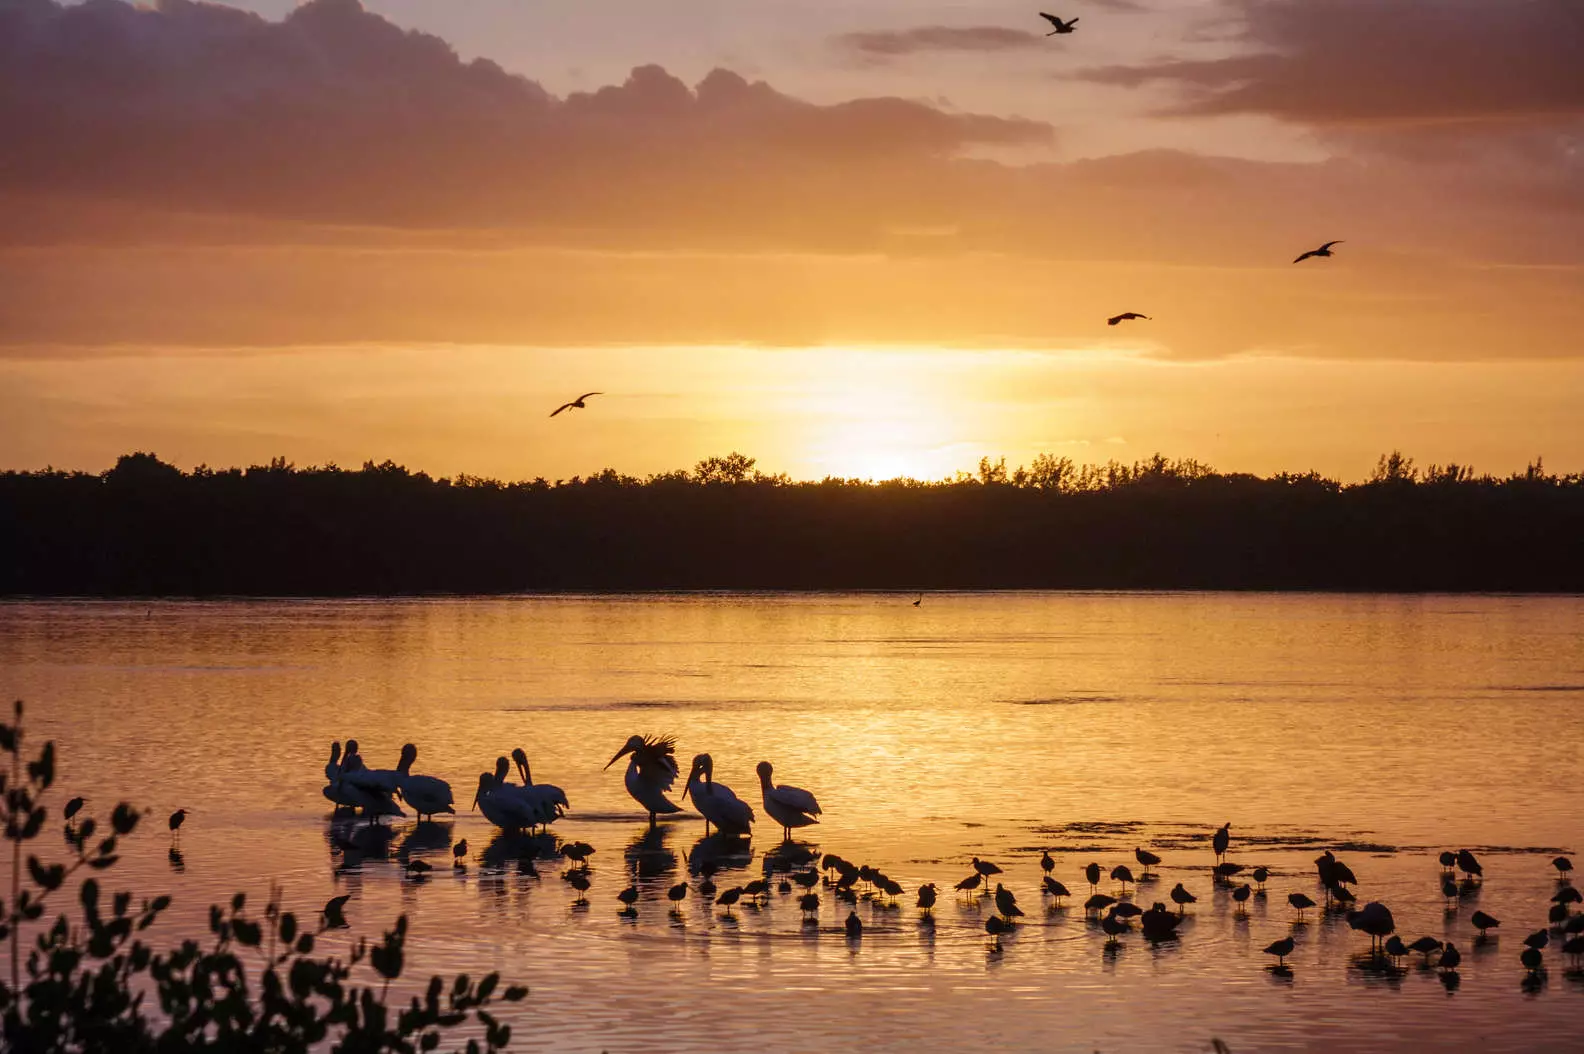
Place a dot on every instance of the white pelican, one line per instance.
(788, 806)
(345, 792)
(550, 800)
(716, 802)
(500, 806)
(382, 781)
(650, 772)
(333, 768)
(426, 794)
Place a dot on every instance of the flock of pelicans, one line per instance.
(652, 771)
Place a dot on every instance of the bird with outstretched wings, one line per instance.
(1324, 250)
(1061, 27)
(1126, 316)
(575, 404)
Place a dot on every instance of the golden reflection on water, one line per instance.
(988, 724)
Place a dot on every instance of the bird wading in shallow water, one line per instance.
(716, 802)
(787, 805)
(651, 770)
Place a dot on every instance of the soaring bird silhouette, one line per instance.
(787, 805)
(1324, 250)
(1126, 316)
(1061, 27)
(651, 771)
(575, 404)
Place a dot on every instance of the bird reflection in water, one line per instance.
(178, 863)
(509, 849)
(647, 855)
(427, 837)
(725, 852)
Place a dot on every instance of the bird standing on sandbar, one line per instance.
(787, 805)
(575, 404)
(651, 771)
(1324, 250)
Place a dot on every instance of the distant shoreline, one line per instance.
(146, 529)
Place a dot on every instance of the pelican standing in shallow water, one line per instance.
(788, 806)
(716, 802)
(547, 798)
(426, 794)
(651, 771)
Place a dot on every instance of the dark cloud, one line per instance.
(1386, 62)
(889, 43)
(334, 114)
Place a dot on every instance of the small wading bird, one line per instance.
(1006, 903)
(1324, 250)
(926, 897)
(675, 894)
(1374, 919)
(1561, 863)
(1182, 898)
(985, 868)
(716, 802)
(575, 404)
(1301, 902)
(651, 771)
(1221, 840)
(1281, 949)
(177, 818)
(854, 925)
(1047, 865)
(1056, 889)
(1483, 922)
(787, 805)
(1061, 27)
(1126, 316)
(1147, 858)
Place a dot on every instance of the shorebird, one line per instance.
(1281, 949)
(1182, 898)
(1468, 864)
(575, 404)
(787, 805)
(1123, 874)
(579, 881)
(1260, 875)
(1448, 860)
(971, 883)
(1324, 250)
(1450, 957)
(1395, 948)
(810, 903)
(1483, 922)
(1061, 27)
(1449, 890)
(1158, 923)
(1424, 946)
(1147, 858)
(1098, 902)
(1092, 873)
(1113, 927)
(651, 771)
(1048, 865)
(459, 854)
(1301, 902)
(926, 897)
(1126, 316)
(984, 867)
(1374, 919)
(1006, 903)
(1532, 961)
(716, 802)
(177, 818)
(728, 897)
(1241, 894)
(1221, 840)
(675, 894)
(1055, 888)
(854, 925)
(1561, 863)
(628, 897)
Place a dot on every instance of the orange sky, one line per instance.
(860, 239)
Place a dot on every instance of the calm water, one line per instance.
(987, 724)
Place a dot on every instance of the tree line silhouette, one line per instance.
(145, 527)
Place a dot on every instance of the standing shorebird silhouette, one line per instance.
(177, 818)
(575, 404)
(1061, 27)
(1324, 250)
(787, 805)
(651, 771)
(1221, 840)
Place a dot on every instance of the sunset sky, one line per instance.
(864, 238)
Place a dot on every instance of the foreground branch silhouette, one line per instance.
(146, 528)
(95, 985)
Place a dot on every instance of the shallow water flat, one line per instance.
(996, 725)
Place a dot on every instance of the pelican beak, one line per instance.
(474, 806)
(687, 788)
(619, 754)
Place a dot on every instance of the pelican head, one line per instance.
(764, 770)
(351, 747)
(520, 756)
(409, 754)
(633, 743)
(335, 752)
(502, 766)
(486, 784)
(703, 765)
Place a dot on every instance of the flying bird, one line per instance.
(577, 404)
(1126, 316)
(1061, 27)
(1324, 250)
